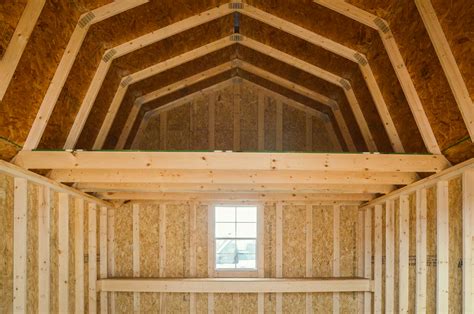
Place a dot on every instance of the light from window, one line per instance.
(236, 237)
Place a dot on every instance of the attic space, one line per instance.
(243, 156)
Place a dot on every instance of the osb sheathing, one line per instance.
(123, 254)
(150, 245)
(270, 124)
(348, 254)
(200, 123)
(10, 13)
(327, 61)
(455, 245)
(294, 253)
(320, 137)
(248, 118)
(294, 129)
(154, 83)
(6, 243)
(309, 81)
(423, 64)
(431, 251)
(224, 117)
(323, 250)
(32, 246)
(150, 138)
(269, 238)
(178, 128)
(40, 58)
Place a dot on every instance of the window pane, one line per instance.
(246, 253)
(246, 214)
(225, 230)
(246, 230)
(225, 254)
(225, 214)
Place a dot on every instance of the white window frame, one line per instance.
(219, 272)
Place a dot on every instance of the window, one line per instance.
(235, 235)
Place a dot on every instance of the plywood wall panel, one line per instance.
(270, 124)
(249, 118)
(321, 140)
(123, 255)
(224, 119)
(32, 245)
(294, 129)
(348, 257)
(178, 128)
(200, 122)
(151, 135)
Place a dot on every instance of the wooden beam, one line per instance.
(467, 232)
(236, 285)
(378, 234)
(448, 63)
(44, 236)
(20, 253)
(205, 187)
(235, 196)
(63, 253)
(368, 256)
(210, 253)
(389, 256)
(421, 246)
(442, 247)
(398, 64)
(79, 255)
(336, 257)
(103, 256)
(232, 177)
(231, 161)
(403, 259)
(92, 257)
(67, 61)
(18, 41)
(99, 77)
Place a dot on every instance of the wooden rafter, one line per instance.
(448, 63)
(398, 64)
(18, 42)
(67, 60)
(231, 161)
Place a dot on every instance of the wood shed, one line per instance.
(255, 156)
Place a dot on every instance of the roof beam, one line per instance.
(448, 63)
(230, 176)
(18, 41)
(398, 64)
(243, 188)
(231, 161)
(67, 61)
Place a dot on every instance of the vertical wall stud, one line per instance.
(467, 233)
(63, 253)
(20, 210)
(136, 252)
(404, 240)
(360, 257)
(110, 253)
(279, 252)
(421, 209)
(79, 254)
(44, 236)
(368, 257)
(92, 237)
(378, 234)
(162, 253)
(389, 256)
(336, 255)
(192, 254)
(210, 255)
(103, 255)
(442, 247)
(261, 253)
(309, 253)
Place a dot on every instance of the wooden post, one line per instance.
(44, 236)
(389, 256)
(442, 247)
(378, 234)
(20, 210)
(79, 254)
(279, 126)
(212, 121)
(421, 218)
(92, 237)
(103, 255)
(467, 232)
(368, 257)
(404, 242)
(110, 253)
(261, 121)
(136, 253)
(309, 253)
(192, 253)
(162, 232)
(261, 253)
(63, 253)
(210, 254)
(279, 252)
(336, 256)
